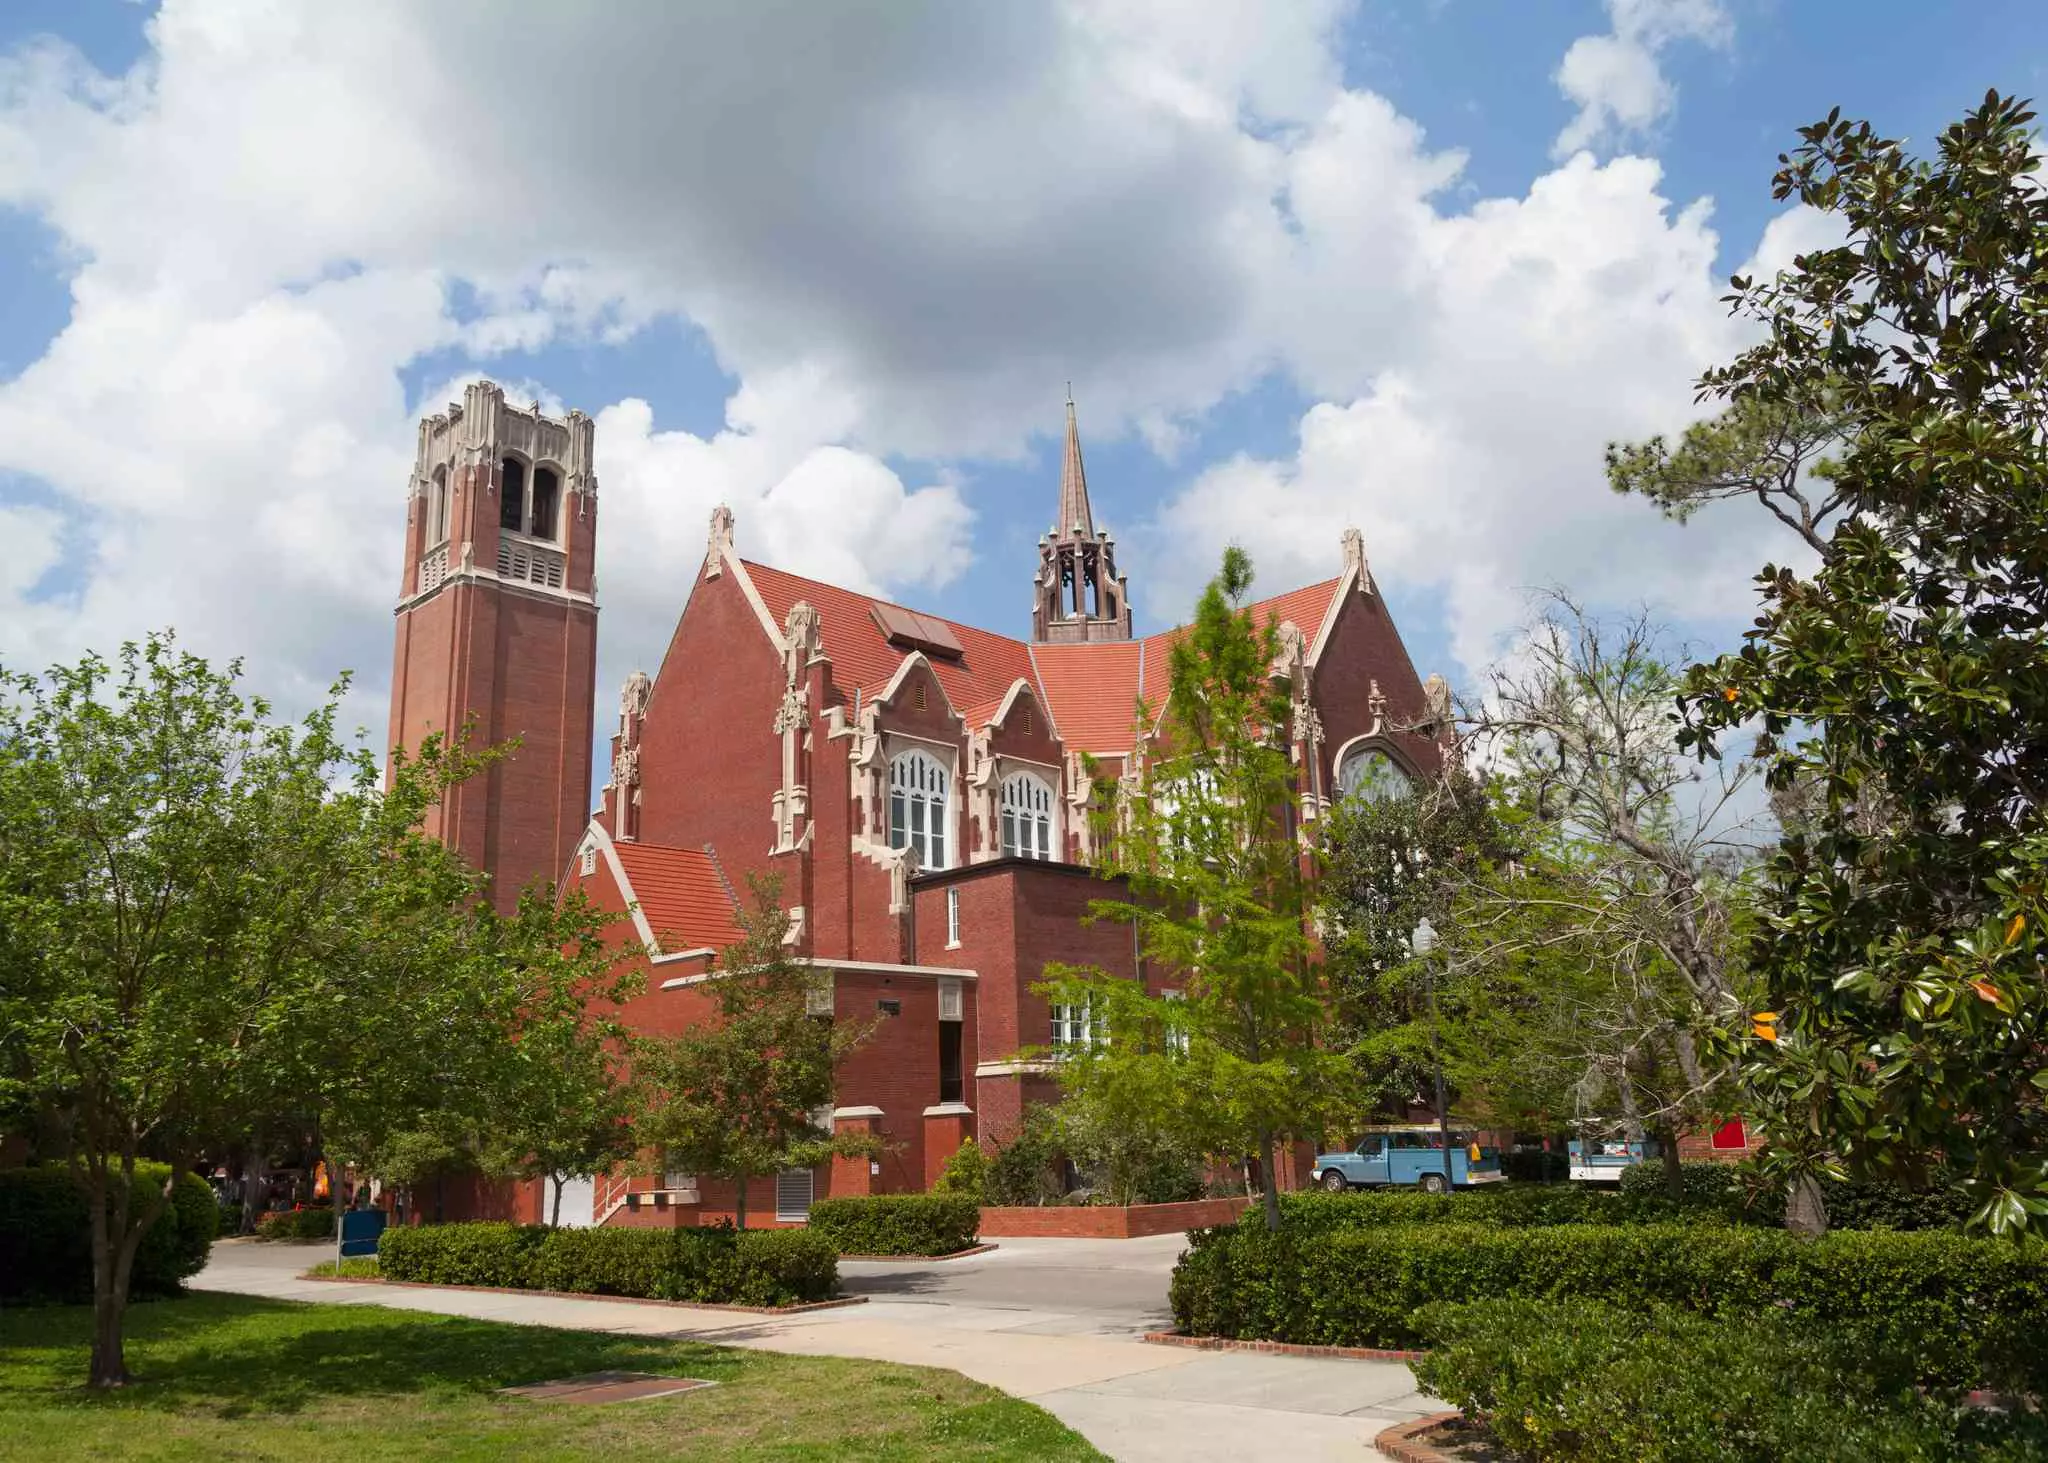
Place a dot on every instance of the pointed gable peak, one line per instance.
(1076, 519)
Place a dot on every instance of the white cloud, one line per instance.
(1615, 79)
(899, 229)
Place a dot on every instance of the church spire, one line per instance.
(1078, 597)
(1075, 517)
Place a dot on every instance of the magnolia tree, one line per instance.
(1234, 1061)
(1902, 685)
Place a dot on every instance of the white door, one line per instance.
(579, 1203)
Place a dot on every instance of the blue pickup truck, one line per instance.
(1603, 1160)
(1408, 1158)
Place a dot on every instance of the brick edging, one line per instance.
(922, 1259)
(1403, 1441)
(631, 1300)
(1280, 1348)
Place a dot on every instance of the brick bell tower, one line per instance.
(497, 619)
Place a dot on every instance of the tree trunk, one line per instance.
(1271, 1174)
(255, 1186)
(117, 1233)
(555, 1215)
(1806, 1211)
(1674, 1166)
(739, 1207)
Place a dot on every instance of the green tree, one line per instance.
(738, 1098)
(1219, 900)
(1769, 451)
(562, 1104)
(1902, 688)
(1390, 863)
(203, 911)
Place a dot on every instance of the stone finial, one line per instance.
(800, 630)
(1354, 555)
(1436, 696)
(1376, 704)
(1293, 651)
(634, 694)
(718, 543)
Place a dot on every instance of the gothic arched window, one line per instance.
(918, 806)
(546, 488)
(437, 508)
(1369, 773)
(1027, 816)
(512, 495)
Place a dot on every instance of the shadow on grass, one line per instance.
(237, 1356)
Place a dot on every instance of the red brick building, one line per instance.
(916, 784)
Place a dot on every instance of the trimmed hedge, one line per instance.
(717, 1266)
(1959, 1311)
(46, 1234)
(1497, 1206)
(899, 1224)
(296, 1224)
(1591, 1383)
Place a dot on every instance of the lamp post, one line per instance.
(1422, 941)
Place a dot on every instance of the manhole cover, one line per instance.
(595, 1387)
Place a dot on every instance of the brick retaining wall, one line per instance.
(1106, 1221)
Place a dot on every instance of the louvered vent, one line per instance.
(529, 565)
(949, 999)
(793, 1195)
(433, 568)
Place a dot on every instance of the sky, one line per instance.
(1405, 265)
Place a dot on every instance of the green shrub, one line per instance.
(898, 1224)
(1496, 1205)
(46, 1235)
(487, 1253)
(965, 1173)
(1027, 1169)
(1702, 1183)
(1592, 1383)
(1960, 1311)
(718, 1265)
(296, 1224)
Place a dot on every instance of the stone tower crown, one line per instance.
(497, 626)
(1078, 597)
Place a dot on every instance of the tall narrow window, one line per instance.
(546, 487)
(1026, 816)
(437, 508)
(951, 1087)
(512, 494)
(918, 807)
(952, 917)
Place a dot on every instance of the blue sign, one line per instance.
(360, 1229)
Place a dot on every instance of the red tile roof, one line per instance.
(1091, 690)
(683, 895)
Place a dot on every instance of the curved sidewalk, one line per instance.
(1055, 1322)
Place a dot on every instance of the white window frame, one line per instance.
(921, 807)
(1027, 804)
(953, 918)
(1176, 1035)
(951, 1004)
(1076, 1028)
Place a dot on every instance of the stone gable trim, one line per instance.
(595, 834)
(1337, 602)
(728, 558)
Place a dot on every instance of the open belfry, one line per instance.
(915, 784)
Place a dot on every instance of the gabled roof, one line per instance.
(682, 894)
(862, 655)
(1091, 691)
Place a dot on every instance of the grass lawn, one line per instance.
(233, 1377)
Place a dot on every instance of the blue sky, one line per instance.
(1306, 267)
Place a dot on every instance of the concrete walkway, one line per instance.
(1055, 1322)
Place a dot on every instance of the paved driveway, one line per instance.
(1052, 1321)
